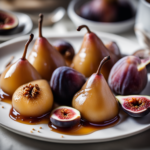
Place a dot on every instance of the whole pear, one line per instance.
(95, 101)
(18, 73)
(92, 51)
(44, 57)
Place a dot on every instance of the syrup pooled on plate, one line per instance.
(16, 116)
(81, 129)
(85, 127)
(4, 97)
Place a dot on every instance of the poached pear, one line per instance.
(92, 51)
(95, 101)
(18, 73)
(33, 99)
(44, 57)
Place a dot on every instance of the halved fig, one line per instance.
(135, 105)
(65, 117)
(8, 21)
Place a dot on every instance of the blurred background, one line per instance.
(62, 16)
(65, 15)
(33, 6)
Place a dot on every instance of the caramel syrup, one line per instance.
(85, 127)
(5, 97)
(82, 129)
(16, 116)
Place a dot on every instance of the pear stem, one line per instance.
(84, 26)
(105, 59)
(40, 24)
(26, 46)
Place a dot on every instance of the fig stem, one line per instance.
(84, 26)
(105, 59)
(26, 46)
(40, 24)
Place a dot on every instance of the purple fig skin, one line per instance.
(114, 48)
(124, 77)
(107, 10)
(65, 124)
(99, 10)
(65, 82)
(63, 47)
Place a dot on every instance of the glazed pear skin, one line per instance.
(95, 101)
(45, 58)
(36, 106)
(17, 74)
(92, 51)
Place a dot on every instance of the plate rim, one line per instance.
(62, 140)
(72, 34)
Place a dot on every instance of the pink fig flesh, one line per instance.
(8, 22)
(135, 105)
(65, 116)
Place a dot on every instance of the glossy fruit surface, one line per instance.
(33, 99)
(107, 10)
(114, 48)
(99, 10)
(128, 76)
(65, 49)
(18, 73)
(8, 21)
(95, 101)
(65, 82)
(44, 57)
(135, 105)
(92, 51)
(65, 117)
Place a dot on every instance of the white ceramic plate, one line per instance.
(24, 27)
(129, 126)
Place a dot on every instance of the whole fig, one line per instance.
(65, 82)
(128, 76)
(107, 10)
(66, 50)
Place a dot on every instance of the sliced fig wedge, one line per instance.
(65, 117)
(135, 105)
(8, 21)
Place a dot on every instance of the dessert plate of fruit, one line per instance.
(73, 88)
